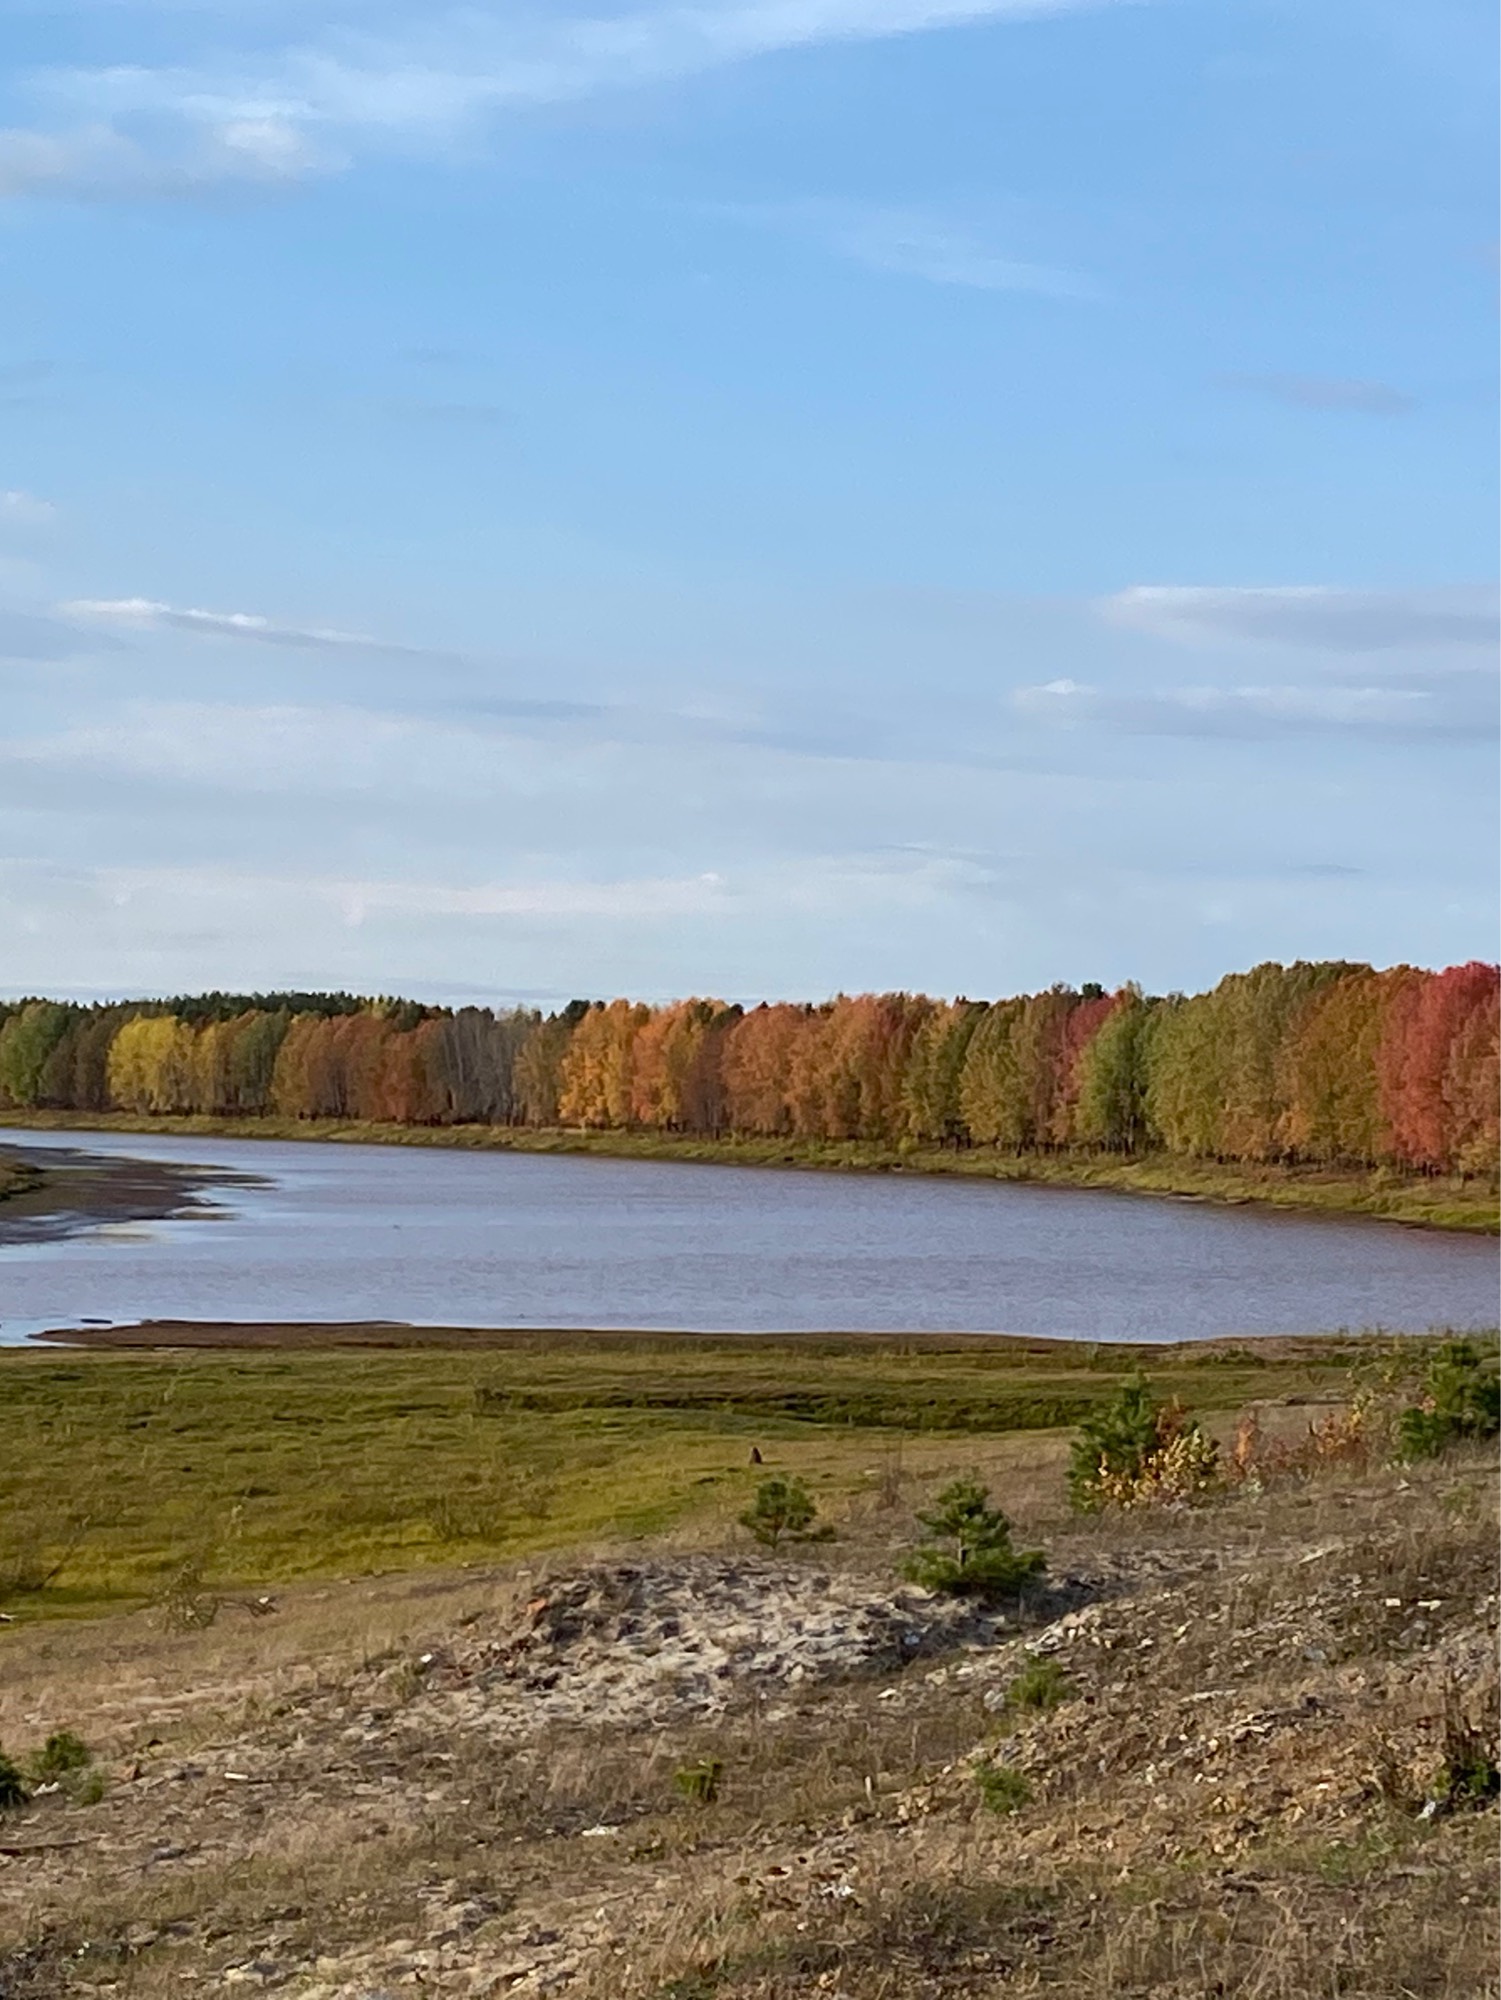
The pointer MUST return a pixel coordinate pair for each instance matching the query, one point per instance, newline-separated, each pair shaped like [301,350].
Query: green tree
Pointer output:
[782,1508]
[26,1041]
[967,1549]
[1112,1106]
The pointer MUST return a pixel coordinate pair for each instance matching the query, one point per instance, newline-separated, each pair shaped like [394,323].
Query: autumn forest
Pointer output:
[1325,1063]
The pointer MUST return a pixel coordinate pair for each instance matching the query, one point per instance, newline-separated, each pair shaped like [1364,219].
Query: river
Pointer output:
[338,1232]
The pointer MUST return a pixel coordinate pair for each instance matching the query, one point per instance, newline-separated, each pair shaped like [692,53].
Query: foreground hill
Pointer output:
[1244,1749]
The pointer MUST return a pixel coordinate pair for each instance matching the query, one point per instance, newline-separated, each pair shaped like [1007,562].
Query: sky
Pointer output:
[746,497]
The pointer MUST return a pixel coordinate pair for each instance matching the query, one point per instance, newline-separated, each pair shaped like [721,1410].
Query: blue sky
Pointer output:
[756,497]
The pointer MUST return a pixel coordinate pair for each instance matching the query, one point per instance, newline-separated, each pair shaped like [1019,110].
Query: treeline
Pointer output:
[1331,1063]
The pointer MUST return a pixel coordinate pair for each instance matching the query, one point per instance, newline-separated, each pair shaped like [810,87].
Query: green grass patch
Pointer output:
[253,1466]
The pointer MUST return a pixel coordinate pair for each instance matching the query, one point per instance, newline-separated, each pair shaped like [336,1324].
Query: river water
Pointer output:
[340,1232]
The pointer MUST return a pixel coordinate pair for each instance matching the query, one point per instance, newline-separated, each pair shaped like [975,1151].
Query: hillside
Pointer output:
[1261,1762]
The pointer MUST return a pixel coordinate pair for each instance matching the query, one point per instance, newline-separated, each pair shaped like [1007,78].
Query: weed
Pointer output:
[185,1603]
[1002,1788]
[1469,1773]
[700,1780]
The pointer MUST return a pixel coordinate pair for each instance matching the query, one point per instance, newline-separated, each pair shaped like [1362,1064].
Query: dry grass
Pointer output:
[1231,1802]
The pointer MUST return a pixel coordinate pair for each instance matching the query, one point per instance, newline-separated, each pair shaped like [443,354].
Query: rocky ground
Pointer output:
[702,1773]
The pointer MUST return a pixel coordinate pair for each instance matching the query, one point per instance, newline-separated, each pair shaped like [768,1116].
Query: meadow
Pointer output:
[295,1459]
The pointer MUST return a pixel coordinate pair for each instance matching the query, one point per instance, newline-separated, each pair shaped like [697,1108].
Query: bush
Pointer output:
[13,1790]
[782,1507]
[1347,1438]
[1460,1403]
[1137,1451]
[60,1756]
[1041,1684]
[1002,1790]
[967,1550]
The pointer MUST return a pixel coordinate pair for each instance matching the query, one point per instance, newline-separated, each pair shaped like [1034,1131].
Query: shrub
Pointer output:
[1137,1451]
[1349,1438]
[699,1781]
[782,1507]
[62,1754]
[13,1790]
[1002,1789]
[967,1550]
[1460,1403]
[1041,1684]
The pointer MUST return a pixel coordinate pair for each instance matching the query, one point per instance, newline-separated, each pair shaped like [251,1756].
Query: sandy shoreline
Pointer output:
[394,1336]
[76,1190]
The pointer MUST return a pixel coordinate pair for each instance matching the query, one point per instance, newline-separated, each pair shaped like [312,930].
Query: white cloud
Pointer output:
[274,118]
[24,510]
[145,614]
[1315,616]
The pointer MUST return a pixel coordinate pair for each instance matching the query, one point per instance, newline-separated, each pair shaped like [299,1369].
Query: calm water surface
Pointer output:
[338,1232]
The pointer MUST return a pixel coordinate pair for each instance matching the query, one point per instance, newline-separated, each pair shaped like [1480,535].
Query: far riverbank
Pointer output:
[1420,1201]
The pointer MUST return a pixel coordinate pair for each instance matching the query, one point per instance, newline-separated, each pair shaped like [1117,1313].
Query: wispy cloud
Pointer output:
[144,614]
[24,510]
[99,161]
[1308,615]
[1326,392]
[1253,711]
[259,117]
[915,243]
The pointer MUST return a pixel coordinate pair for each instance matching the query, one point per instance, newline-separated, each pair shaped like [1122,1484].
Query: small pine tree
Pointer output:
[1138,1450]
[1461,1402]
[1117,1439]
[782,1507]
[967,1550]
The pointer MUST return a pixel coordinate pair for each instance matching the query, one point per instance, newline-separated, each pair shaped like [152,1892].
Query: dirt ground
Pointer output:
[689,1771]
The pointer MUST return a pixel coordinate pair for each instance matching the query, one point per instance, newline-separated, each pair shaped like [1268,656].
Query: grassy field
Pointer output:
[1432,1202]
[249,1467]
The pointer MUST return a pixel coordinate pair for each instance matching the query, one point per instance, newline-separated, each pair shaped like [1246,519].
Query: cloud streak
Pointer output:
[1314,616]
[145,614]
[273,119]
[1255,712]
[914,243]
